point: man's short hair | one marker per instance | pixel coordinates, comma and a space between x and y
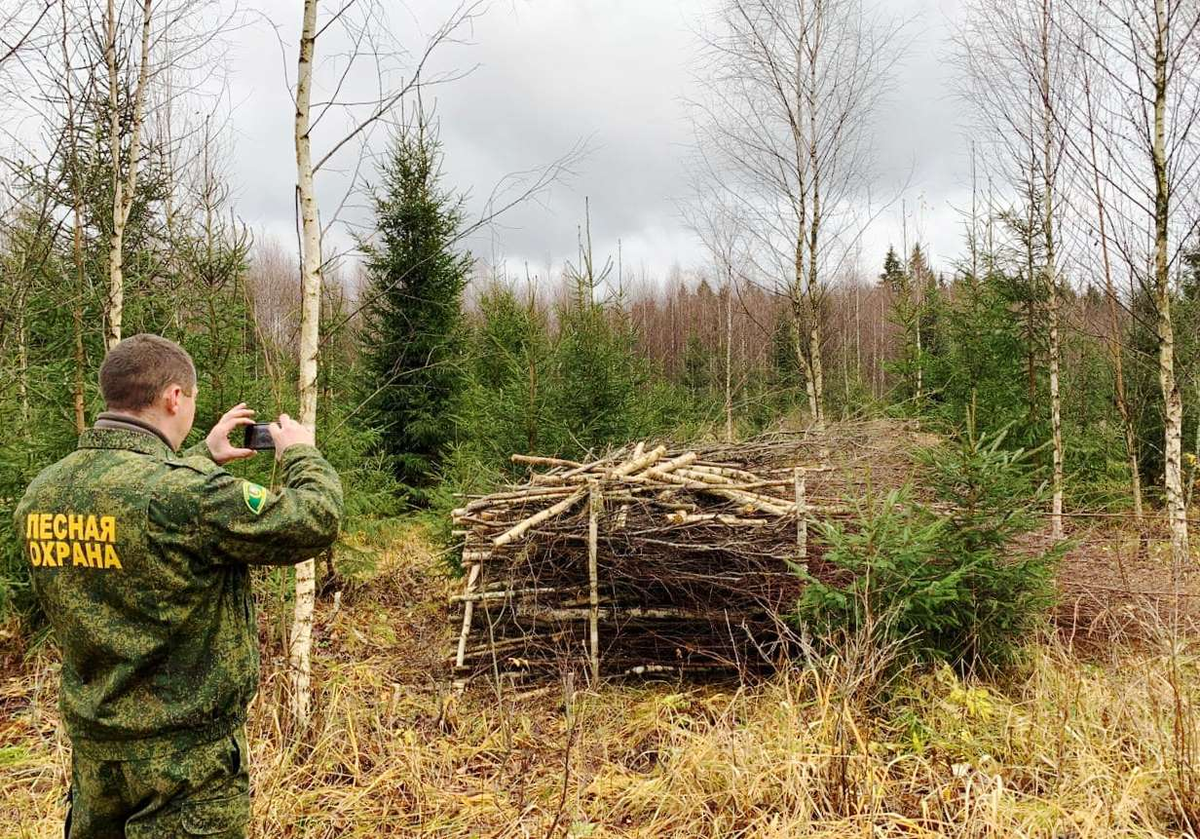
141, 367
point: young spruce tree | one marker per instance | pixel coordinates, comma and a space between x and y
411, 327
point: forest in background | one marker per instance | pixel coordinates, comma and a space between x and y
1054, 364
1069, 322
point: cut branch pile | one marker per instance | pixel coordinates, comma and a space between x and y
653, 559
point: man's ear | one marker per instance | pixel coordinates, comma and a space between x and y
172, 396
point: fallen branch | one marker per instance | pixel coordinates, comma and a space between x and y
550, 512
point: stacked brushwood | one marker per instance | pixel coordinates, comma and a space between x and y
655, 559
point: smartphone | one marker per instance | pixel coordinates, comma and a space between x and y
258, 437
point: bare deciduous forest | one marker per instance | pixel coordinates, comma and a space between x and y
796, 538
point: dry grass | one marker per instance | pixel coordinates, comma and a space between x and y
1060, 749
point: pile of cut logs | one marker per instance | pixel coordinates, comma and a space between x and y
656, 560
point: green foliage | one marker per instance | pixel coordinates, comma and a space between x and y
697, 366
983, 360
411, 334
894, 275
946, 585
600, 377
504, 404
916, 310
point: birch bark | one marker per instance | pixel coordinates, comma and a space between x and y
1172, 400
300, 649
1049, 162
124, 168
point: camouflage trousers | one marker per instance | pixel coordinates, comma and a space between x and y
204, 791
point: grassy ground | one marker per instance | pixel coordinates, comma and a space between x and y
1061, 748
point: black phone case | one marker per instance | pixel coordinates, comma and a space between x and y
258, 437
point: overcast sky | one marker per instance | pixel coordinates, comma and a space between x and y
550, 73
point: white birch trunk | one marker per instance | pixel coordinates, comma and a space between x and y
729, 358
302, 619
1056, 511
817, 392
123, 188
1055, 349
1172, 400
813, 290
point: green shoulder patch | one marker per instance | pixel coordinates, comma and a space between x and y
255, 496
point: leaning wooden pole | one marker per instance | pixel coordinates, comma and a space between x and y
468, 613
594, 502
801, 519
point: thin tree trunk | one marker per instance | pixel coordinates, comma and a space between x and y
310, 303
1048, 183
800, 336
845, 355
917, 329
23, 376
812, 290
1056, 513
123, 188
1173, 401
1191, 479
729, 355
77, 242
1030, 321
858, 334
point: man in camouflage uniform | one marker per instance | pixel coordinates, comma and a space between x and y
140, 558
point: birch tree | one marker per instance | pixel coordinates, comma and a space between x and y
1145, 60
364, 29
310, 312
125, 151
1017, 76
790, 90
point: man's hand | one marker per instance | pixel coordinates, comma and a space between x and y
286, 432
219, 447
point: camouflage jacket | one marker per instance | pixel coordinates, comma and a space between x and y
140, 559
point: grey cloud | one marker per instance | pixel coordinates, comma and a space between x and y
551, 72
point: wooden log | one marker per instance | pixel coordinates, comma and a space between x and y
535, 460
522, 527
766, 504
504, 594
643, 669
704, 477
801, 519
726, 472
719, 518
565, 477
486, 520
637, 464
544, 613
594, 502
587, 467
468, 613
660, 470
756, 502
516, 496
